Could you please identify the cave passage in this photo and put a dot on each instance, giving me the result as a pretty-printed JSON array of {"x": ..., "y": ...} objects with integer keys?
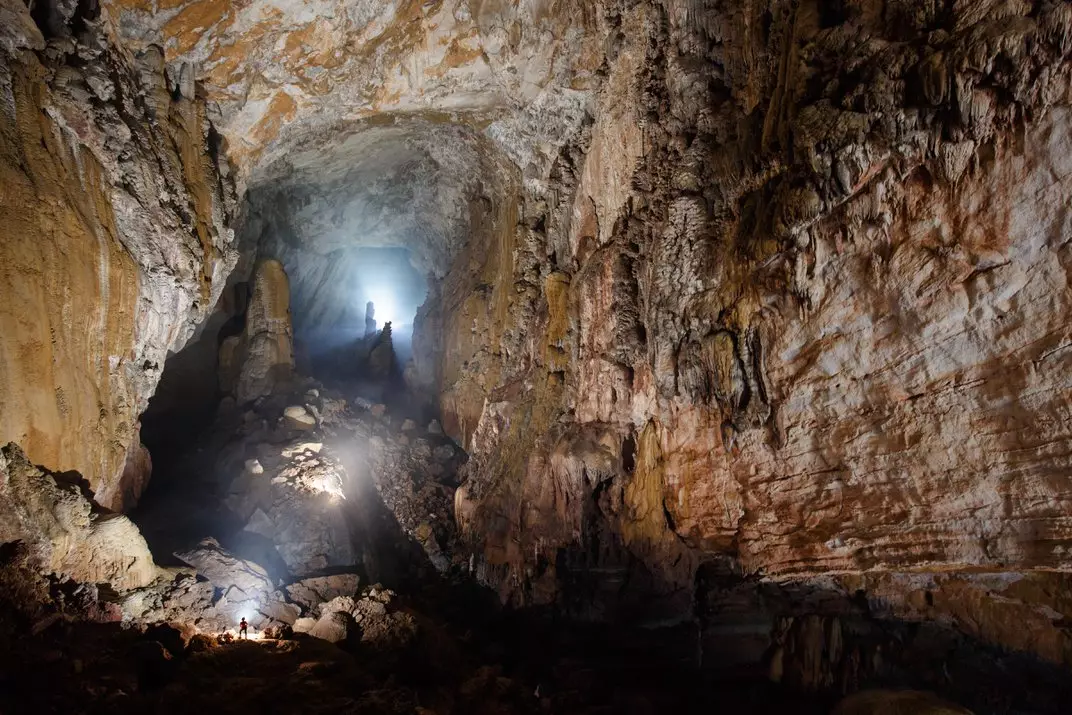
[
  {"x": 384, "y": 277},
  {"x": 556, "y": 356}
]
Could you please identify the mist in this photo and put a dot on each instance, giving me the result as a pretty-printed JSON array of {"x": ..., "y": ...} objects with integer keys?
[{"x": 384, "y": 276}]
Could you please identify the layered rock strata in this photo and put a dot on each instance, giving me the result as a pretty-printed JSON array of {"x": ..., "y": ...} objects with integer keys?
[
  {"x": 778, "y": 287},
  {"x": 799, "y": 302}
]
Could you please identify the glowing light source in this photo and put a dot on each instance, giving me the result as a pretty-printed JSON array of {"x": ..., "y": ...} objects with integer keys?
[{"x": 386, "y": 306}]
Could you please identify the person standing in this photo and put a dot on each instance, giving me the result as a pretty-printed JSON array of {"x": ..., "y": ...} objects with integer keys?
[{"x": 243, "y": 629}]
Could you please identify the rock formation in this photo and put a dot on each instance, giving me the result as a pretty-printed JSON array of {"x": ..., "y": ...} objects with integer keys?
[
  {"x": 751, "y": 318},
  {"x": 116, "y": 219},
  {"x": 67, "y": 537},
  {"x": 253, "y": 364},
  {"x": 370, "y": 320},
  {"x": 785, "y": 316}
]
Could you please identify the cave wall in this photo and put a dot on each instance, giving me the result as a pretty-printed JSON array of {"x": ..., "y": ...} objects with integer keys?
[
  {"x": 777, "y": 286},
  {"x": 115, "y": 243},
  {"x": 801, "y": 302}
]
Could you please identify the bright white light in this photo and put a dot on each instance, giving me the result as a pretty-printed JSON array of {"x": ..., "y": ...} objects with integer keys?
[{"x": 386, "y": 307}]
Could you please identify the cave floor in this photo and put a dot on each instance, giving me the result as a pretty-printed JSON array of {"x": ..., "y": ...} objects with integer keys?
[
  {"x": 98, "y": 668},
  {"x": 469, "y": 657}
]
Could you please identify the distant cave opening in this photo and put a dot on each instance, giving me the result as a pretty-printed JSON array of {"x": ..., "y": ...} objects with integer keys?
[{"x": 336, "y": 339}]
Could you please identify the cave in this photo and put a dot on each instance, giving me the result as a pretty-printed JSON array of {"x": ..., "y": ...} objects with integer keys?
[{"x": 546, "y": 356}]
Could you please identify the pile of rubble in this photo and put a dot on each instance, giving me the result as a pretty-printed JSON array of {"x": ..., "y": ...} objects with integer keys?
[
  {"x": 222, "y": 589},
  {"x": 294, "y": 460},
  {"x": 415, "y": 472}
]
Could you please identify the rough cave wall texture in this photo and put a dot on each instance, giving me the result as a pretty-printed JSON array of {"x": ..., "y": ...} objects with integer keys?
[
  {"x": 778, "y": 285},
  {"x": 804, "y": 306},
  {"x": 115, "y": 239}
]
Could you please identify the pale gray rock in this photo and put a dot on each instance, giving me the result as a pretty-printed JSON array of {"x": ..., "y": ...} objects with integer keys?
[
  {"x": 297, "y": 417},
  {"x": 239, "y": 579},
  {"x": 304, "y": 625},
  {"x": 311, "y": 592},
  {"x": 333, "y": 626},
  {"x": 67, "y": 535}
]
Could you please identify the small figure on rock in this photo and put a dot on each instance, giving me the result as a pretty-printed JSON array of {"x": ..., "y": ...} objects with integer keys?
[{"x": 243, "y": 629}]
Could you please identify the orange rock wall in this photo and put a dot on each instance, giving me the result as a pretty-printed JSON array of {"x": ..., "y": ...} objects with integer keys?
[
  {"x": 817, "y": 317},
  {"x": 114, "y": 246},
  {"x": 70, "y": 296}
]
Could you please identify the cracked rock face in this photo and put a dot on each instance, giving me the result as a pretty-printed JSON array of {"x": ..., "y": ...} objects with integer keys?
[{"x": 281, "y": 71}]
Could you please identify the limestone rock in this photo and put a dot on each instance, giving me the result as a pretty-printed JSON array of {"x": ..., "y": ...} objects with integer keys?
[
  {"x": 298, "y": 510},
  {"x": 311, "y": 592},
  {"x": 304, "y": 625},
  {"x": 339, "y": 604},
  {"x": 382, "y": 364},
  {"x": 262, "y": 358},
  {"x": 333, "y": 626},
  {"x": 137, "y": 470},
  {"x": 297, "y": 417},
  {"x": 269, "y": 351},
  {"x": 240, "y": 580},
  {"x": 280, "y": 612},
  {"x": 259, "y": 523},
  {"x": 64, "y": 532},
  {"x": 813, "y": 362},
  {"x": 117, "y": 240}
]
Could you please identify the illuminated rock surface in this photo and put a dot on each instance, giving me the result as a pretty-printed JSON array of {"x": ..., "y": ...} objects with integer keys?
[{"x": 117, "y": 240}]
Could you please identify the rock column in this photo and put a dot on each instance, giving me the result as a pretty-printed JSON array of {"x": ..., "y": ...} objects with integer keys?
[{"x": 254, "y": 363}]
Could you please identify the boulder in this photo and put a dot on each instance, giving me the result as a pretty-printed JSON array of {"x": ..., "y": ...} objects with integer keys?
[
  {"x": 297, "y": 417},
  {"x": 280, "y": 612},
  {"x": 333, "y": 627},
  {"x": 311, "y": 592},
  {"x": 304, "y": 625},
  {"x": 260, "y": 524},
  {"x": 62, "y": 530},
  {"x": 343, "y": 604},
  {"x": 227, "y": 572},
  {"x": 301, "y": 448}
]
